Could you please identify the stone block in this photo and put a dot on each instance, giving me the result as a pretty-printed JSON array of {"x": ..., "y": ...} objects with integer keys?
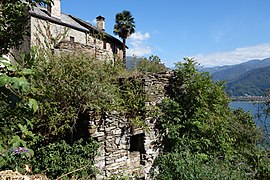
[
  {"x": 101, "y": 138},
  {"x": 123, "y": 159},
  {"x": 109, "y": 149},
  {"x": 117, "y": 131},
  {"x": 109, "y": 128},
  {"x": 121, "y": 146},
  {"x": 109, "y": 162},
  {"x": 98, "y": 134}
]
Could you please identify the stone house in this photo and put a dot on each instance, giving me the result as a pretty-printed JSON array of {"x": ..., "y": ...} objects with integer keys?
[
  {"x": 124, "y": 151},
  {"x": 50, "y": 28}
]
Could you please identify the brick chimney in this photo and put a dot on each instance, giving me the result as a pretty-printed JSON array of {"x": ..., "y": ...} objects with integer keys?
[
  {"x": 100, "y": 23},
  {"x": 55, "y": 9}
]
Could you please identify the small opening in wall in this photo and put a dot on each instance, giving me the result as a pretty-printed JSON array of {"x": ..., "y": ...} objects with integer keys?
[
  {"x": 113, "y": 48},
  {"x": 104, "y": 45},
  {"x": 72, "y": 39},
  {"x": 137, "y": 147}
]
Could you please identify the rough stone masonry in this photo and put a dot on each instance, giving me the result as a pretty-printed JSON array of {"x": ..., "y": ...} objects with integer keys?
[{"x": 125, "y": 151}]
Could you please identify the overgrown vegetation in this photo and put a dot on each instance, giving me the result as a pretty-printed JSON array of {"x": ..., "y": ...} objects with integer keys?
[
  {"x": 69, "y": 85},
  {"x": 46, "y": 96},
  {"x": 17, "y": 108},
  {"x": 43, "y": 98},
  {"x": 147, "y": 65},
  {"x": 74, "y": 160},
  {"x": 201, "y": 138},
  {"x": 13, "y": 18}
]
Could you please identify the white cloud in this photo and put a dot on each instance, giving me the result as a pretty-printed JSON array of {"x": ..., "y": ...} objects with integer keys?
[
  {"x": 94, "y": 21},
  {"x": 138, "y": 44},
  {"x": 139, "y": 51},
  {"x": 236, "y": 56},
  {"x": 138, "y": 36}
]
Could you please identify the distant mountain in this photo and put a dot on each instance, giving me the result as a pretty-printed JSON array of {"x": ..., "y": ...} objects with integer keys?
[
  {"x": 248, "y": 78},
  {"x": 232, "y": 72},
  {"x": 255, "y": 82},
  {"x": 130, "y": 61},
  {"x": 215, "y": 69}
]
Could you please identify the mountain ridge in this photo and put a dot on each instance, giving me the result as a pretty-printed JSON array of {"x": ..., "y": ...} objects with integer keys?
[
  {"x": 255, "y": 82},
  {"x": 248, "y": 78},
  {"x": 231, "y": 72}
]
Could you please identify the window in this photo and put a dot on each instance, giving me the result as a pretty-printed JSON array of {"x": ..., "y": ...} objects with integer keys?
[
  {"x": 104, "y": 45},
  {"x": 114, "y": 48},
  {"x": 72, "y": 39}
]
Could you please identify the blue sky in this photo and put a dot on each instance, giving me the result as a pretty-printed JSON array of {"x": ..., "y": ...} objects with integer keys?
[{"x": 214, "y": 32}]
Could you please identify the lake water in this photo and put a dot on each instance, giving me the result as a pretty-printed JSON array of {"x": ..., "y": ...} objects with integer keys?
[
  {"x": 254, "y": 109},
  {"x": 247, "y": 106}
]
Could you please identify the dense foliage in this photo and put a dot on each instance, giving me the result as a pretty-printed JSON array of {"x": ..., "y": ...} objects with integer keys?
[
  {"x": 48, "y": 98},
  {"x": 13, "y": 18},
  {"x": 201, "y": 137},
  {"x": 148, "y": 65},
  {"x": 45, "y": 98},
  {"x": 17, "y": 108},
  {"x": 70, "y": 85},
  {"x": 57, "y": 158}
]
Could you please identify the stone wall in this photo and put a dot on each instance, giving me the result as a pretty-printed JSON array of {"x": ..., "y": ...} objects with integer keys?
[
  {"x": 91, "y": 49},
  {"x": 125, "y": 151},
  {"x": 46, "y": 34},
  {"x": 42, "y": 33}
]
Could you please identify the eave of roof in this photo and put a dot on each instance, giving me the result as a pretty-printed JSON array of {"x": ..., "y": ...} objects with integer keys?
[
  {"x": 90, "y": 26},
  {"x": 71, "y": 22},
  {"x": 41, "y": 14}
]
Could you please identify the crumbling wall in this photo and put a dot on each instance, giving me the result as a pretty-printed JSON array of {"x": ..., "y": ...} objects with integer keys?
[{"x": 125, "y": 151}]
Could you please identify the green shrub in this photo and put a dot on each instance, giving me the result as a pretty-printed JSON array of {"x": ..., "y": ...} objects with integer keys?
[
  {"x": 201, "y": 138},
  {"x": 68, "y": 85},
  {"x": 60, "y": 158},
  {"x": 197, "y": 109},
  {"x": 17, "y": 108},
  {"x": 151, "y": 65},
  {"x": 133, "y": 101},
  {"x": 16, "y": 159},
  {"x": 187, "y": 165}
]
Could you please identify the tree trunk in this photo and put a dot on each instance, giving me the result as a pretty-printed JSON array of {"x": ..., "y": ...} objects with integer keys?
[{"x": 124, "y": 53}]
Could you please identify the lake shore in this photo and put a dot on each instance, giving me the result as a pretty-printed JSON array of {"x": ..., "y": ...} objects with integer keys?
[{"x": 251, "y": 98}]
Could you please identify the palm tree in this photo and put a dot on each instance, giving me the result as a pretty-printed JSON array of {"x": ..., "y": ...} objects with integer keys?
[{"x": 124, "y": 27}]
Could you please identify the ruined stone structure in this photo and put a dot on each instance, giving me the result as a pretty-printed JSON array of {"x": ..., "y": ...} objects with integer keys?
[
  {"x": 125, "y": 151},
  {"x": 49, "y": 28}
]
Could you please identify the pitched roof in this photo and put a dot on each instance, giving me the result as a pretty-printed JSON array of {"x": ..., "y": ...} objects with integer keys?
[
  {"x": 69, "y": 21},
  {"x": 65, "y": 20},
  {"x": 94, "y": 28}
]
